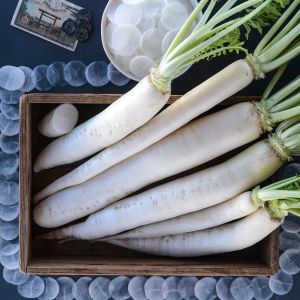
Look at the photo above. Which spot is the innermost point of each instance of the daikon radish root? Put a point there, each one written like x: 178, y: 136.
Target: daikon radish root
x: 278, y: 200
x: 190, y: 146
x: 184, y: 195
x: 139, y: 105
x: 231, y: 128
x: 233, y: 209
x: 59, y: 121
x: 230, y: 210
x: 208, y: 94
x: 225, y: 238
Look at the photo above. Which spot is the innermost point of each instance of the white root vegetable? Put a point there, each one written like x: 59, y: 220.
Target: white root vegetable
x: 278, y: 200
x: 275, y: 197
x: 224, y: 84
x: 186, y: 148
x: 194, y: 141
x: 229, y: 81
x: 181, y: 196
x: 59, y: 121
x: 230, y: 210
x: 123, y: 117
x: 226, y: 238
x: 190, y: 146
x: 230, y: 129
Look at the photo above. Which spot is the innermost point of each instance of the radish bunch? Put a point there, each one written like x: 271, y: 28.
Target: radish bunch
x: 189, y: 216
x: 212, y: 37
x: 186, y: 148
x: 272, y: 52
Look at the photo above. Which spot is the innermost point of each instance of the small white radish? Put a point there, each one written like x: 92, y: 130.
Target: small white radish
x: 59, y: 121
x: 226, y: 238
x: 140, y: 104
x: 224, y: 84
x: 185, y: 195
x: 230, y: 210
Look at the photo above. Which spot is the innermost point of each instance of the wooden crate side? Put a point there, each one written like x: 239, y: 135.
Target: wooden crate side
x: 113, y: 266
x: 270, y: 251
x: 110, y: 98
x: 73, y: 265
x: 25, y: 183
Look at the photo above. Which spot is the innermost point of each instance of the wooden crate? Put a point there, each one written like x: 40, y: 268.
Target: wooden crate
x: 84, y: 258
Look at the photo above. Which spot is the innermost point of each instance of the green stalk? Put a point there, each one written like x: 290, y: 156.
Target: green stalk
x: 287, y: 104
x: 171, y: 69
x: 213, y: 53
x: 228, y: 5
x: 264, y: 42
x: 206, y: 15
x: 285, y: 141
x: 268, y: 67
x: 282, y: 105
x: 284, y: 115
x: 291, y: 24
x: 280, y: 198
x: 186, y: 27
x: 205, y: 31
x: 274, y: 81
x: 283, y: 93
x: 271, y: 53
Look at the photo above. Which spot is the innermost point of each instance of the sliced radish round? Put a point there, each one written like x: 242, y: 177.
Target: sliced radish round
x: 151, y: 8
x: 133, y: 2
x: 128, y: 14
x: 151, y: 43
x: 112, y: 9
x: 125, y: 40
x: 173, y: 16
x: 146, y: 24
x: 140, y: 66
x: 109, y: 31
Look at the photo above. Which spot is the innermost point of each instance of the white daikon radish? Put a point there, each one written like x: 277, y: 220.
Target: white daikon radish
x: 276, y: 201
x: 59, y: 121
x: 139, y: 105
x: 184, y: 195
x: 230, y: 210
x: 233, y: 209
x: 208, y: 94
x: 226, y: 238
x: 190, y: 146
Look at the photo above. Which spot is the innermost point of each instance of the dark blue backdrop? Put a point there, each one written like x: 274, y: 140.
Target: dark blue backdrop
x: 20, y: 48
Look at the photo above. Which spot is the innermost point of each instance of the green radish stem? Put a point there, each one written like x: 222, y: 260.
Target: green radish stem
x: 274, y: 197
x: 187, y: 194
x: 230, y: 129
x: 208, y: 94
x: 151, y: 94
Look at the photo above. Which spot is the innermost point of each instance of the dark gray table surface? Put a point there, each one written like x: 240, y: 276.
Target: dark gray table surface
x: 20, y: 48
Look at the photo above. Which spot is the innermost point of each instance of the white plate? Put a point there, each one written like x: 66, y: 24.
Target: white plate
x: 109, y: 54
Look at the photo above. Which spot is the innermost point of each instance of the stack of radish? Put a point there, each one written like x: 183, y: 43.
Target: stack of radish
x: 160, y: 148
